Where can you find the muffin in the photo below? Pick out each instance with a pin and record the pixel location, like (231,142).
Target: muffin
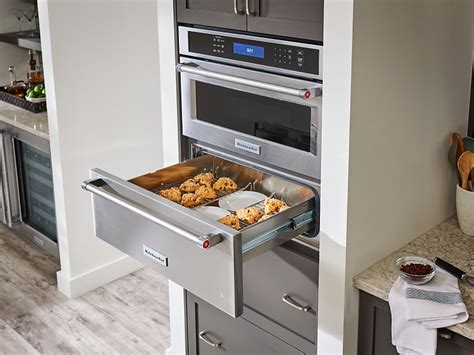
(205,179)
(173,194)
(191,200)
(273,205)
(249,215)
(206,192)
(225,184)
(231,221)
(189,185)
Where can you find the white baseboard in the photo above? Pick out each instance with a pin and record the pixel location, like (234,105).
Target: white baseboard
(81,284)
(171,351)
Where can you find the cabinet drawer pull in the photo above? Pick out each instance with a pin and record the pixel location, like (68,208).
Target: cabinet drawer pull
(203,336)
(445,334)
(247,9)
(236,9)
(288,300)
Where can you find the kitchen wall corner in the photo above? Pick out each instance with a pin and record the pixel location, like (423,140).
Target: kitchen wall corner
(103,82)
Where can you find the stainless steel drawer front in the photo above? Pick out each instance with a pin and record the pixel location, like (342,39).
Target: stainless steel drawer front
(214,274)
(200,254)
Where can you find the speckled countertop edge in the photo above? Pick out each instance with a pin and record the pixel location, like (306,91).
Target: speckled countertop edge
(34,123)
(445,241)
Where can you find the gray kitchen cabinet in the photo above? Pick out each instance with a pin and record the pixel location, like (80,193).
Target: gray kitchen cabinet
(268,324)
(375,331)
(285,273)
(217,13)
(211,331)
(295,18)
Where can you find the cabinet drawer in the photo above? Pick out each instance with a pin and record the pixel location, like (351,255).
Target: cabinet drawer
(200,254)
(213,332)
(280,272)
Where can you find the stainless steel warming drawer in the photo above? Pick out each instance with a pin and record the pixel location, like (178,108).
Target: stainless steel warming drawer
(202,255)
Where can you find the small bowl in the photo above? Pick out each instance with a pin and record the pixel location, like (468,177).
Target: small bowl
(415,279)
(36,100)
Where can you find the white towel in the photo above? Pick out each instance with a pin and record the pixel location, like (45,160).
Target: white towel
(418,310)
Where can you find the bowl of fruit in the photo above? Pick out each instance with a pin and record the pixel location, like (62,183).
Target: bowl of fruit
(36,94)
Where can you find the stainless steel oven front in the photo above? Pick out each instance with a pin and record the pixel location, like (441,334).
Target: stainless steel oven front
(250,105)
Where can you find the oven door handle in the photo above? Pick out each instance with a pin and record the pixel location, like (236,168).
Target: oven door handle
(204,242)
(304,93)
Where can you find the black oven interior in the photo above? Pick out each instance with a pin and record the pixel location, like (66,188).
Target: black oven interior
(274,120)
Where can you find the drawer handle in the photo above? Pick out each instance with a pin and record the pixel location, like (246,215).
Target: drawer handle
(203,336)
(236,9)
(288,300)
(204,242)
(445,334)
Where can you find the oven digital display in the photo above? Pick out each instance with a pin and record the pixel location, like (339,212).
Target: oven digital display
(249,50)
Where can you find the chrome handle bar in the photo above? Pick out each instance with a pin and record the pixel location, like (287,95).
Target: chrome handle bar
(304,93)
(204,242)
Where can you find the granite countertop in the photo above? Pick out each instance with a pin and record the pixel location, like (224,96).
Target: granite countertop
(35,123)
(445,241)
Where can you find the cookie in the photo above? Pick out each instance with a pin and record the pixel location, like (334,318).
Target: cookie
(189,186)
(249,215)
(191,200)
(231,221)
(225,184)
(206,192)
(205,179)
(273,205)
(173,194)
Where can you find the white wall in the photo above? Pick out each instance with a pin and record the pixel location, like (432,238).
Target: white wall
(10,54)
(101,63)
(411,63)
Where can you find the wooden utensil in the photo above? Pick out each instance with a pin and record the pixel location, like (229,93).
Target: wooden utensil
(458,144)
(465,167)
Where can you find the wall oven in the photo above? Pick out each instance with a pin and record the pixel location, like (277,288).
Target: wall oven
(251,112)
(27,188)
(261,99)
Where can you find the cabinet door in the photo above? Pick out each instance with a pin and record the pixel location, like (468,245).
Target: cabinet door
(375,331)
(210,331)
(219,13)
(295,18)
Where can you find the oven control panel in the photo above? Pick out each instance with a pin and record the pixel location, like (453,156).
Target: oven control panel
(278,54)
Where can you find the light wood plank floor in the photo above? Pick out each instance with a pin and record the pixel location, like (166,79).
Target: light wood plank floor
(127,316)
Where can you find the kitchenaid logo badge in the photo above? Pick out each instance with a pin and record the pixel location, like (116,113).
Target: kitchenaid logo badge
(249,147)
(153,254)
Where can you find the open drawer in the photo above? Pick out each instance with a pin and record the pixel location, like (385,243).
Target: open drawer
(197,252)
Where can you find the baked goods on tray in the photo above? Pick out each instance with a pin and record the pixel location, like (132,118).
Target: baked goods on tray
(205,179)
(189,185)
(249,215)
(173,194)
(191,200)
(273,205)
(231,221)
(206,192)
(225,184)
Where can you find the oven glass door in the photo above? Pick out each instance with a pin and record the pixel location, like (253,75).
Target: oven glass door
(259,115)
(264,117)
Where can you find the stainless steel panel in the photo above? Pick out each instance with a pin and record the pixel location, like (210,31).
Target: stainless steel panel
(131,216)
(214,274)
(292,159)
(184,50)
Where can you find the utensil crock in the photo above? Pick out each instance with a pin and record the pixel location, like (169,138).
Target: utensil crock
(465,210)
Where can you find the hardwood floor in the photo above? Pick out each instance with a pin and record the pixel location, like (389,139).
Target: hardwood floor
(122,317)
